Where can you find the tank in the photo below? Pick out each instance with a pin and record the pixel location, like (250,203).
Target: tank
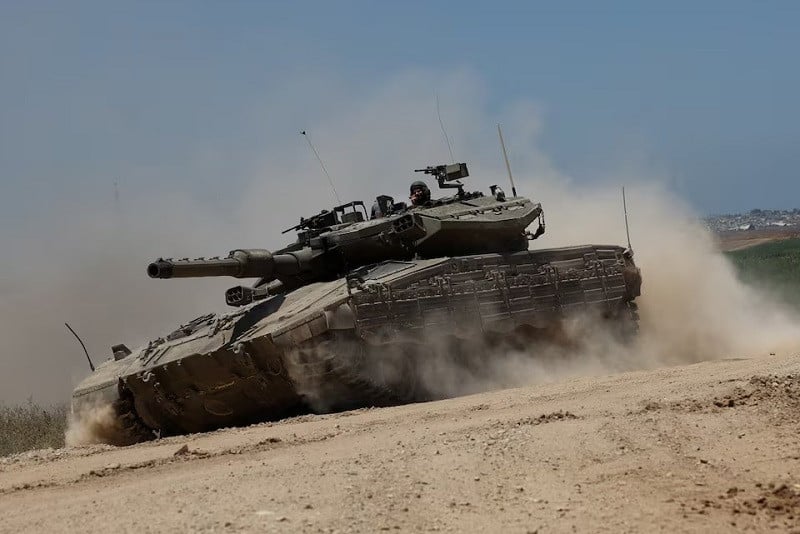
(356,310)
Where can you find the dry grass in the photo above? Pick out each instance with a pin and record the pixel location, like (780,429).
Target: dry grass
(30,426)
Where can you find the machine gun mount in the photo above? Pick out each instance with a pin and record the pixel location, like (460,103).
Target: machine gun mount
(448,173)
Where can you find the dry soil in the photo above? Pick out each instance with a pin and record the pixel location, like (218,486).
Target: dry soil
(709,447)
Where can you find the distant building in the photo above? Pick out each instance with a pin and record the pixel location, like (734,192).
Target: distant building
(754,219)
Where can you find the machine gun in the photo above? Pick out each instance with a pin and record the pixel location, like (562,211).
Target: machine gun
(326,219)
(448,173)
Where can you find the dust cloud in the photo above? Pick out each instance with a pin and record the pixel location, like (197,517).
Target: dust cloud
(92,425)
(692,308)
(83,261)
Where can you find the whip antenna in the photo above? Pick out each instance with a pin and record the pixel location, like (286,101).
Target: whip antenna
(625,209)
(330,181)
(505,157)
(444,133)
(91,365)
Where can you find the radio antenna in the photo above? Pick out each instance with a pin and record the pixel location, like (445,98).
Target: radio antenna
(625,209)
(444,133)
(91,365)
(505,157)
(330,180)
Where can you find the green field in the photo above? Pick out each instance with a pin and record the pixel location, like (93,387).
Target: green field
(773,266)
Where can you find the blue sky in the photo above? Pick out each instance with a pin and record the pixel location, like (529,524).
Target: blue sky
(704,94)
(194,110)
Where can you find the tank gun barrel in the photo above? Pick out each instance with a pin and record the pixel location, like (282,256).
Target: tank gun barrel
(241,263)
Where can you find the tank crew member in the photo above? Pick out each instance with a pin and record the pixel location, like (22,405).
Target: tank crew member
(420,194)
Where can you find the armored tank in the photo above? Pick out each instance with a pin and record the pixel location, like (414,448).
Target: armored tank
(358,308)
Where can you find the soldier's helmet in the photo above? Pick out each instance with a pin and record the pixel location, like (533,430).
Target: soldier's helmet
(420,193)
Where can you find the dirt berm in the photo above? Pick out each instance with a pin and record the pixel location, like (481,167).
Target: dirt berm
(710,447)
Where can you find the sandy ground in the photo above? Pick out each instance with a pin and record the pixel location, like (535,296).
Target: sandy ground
(709,447)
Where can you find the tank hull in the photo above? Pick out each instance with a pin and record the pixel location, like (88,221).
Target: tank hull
(356,341)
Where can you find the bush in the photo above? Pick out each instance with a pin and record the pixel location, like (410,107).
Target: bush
(30,426)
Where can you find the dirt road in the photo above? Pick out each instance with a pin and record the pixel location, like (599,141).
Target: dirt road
(710,447)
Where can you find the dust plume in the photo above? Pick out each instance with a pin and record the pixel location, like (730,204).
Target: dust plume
(692,308)
(103,421)
(92,425)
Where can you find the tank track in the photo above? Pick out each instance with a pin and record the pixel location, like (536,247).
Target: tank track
(129,428)
(627,321)
(329,376)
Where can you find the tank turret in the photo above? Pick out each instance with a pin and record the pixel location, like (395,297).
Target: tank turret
(341,239)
